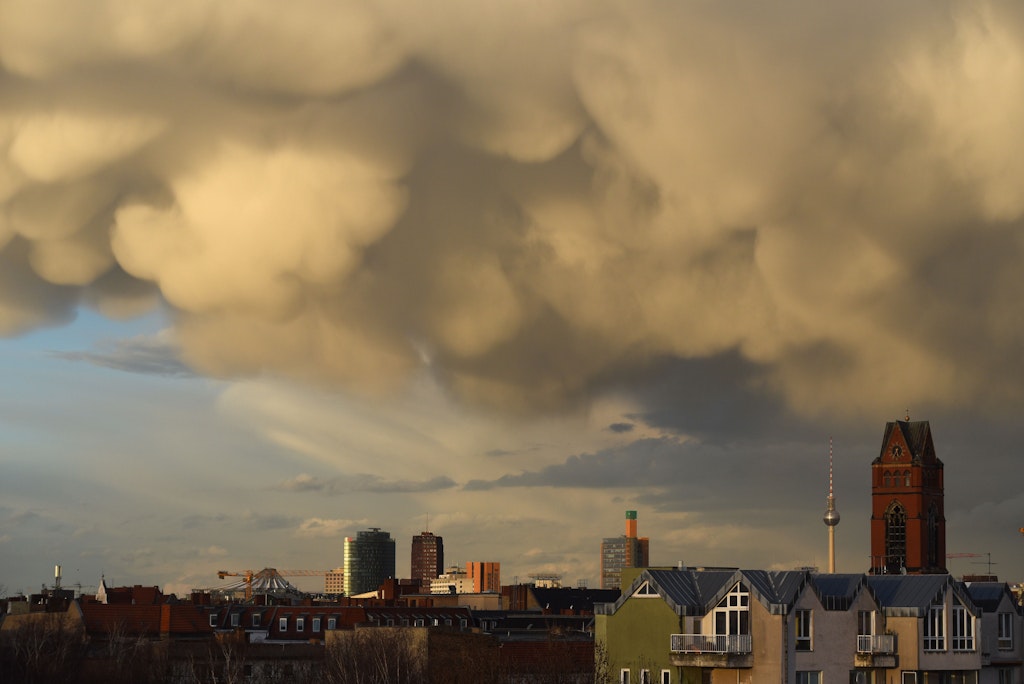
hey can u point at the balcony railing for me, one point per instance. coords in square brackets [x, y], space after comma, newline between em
[710, 643]
[876, 643]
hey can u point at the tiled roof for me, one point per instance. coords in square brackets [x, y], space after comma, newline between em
[184, 619]
[124, 618]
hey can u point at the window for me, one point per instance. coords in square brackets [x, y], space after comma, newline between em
[391, 622]
[645, 677]
[255, 619]
[1005, 630]
[316, 624]
[213, 619]
[906, 478]
[645, 590]
[963, 629]
[1005, 675]
[888, 479]
[332, 623]
[865, 622]
[235, 618]
[419, 622]
[935, 629]
[282, 624]
[803, 630]
[300, 624]
[808, 678]
[447, 622]
[624, 676]
[732, 614]
[666, 677]
[895, 538]
[909, 678]
[463, 622]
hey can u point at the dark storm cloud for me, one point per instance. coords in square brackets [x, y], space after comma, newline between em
[336, 486]
[621, 427]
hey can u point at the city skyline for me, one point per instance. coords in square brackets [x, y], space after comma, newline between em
[516, 267]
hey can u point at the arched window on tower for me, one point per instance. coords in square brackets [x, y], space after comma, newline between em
[888, 479]
[906, 478]
[895, 538]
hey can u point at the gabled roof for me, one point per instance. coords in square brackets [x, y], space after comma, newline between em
[838, 591]
[913, 595]
[697, 592]
[989, 595]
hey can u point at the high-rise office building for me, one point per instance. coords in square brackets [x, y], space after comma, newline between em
[369, 560]
[427, 557]
[627, 551]
[486, 576]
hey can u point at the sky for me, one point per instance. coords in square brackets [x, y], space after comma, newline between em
[501, 271]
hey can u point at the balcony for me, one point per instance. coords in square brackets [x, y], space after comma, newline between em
[875, 650]
[711, 650]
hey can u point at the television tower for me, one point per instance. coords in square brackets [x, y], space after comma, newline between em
[831, 515]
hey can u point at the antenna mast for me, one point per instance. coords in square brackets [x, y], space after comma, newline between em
[831, 515]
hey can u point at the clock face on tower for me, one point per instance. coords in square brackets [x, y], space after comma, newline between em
[896, 452]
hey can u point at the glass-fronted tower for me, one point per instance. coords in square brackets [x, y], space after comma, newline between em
[369, 560]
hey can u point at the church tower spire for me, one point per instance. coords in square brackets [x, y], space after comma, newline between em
[908, 523]
[831, 515]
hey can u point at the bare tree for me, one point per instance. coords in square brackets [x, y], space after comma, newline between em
[380, 654]
[44, 648]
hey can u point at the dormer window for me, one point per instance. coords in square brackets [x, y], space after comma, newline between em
[645, 590]
[732, 614]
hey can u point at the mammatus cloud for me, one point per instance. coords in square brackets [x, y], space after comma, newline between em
[533, 202]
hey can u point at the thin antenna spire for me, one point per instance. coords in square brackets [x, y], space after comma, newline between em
[830, 468]
[831, 514]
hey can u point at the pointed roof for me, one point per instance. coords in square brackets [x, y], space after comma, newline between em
[917, 435]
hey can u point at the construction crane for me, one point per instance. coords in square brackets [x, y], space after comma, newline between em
[988, 562]
[267, 574]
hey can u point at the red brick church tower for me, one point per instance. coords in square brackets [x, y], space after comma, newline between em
[908, 523]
